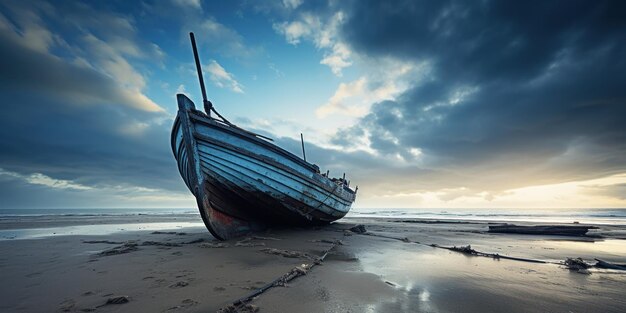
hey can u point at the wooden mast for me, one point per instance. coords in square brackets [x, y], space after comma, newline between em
[302, 141]
[207, 104]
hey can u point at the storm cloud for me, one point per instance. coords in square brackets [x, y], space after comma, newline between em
[71, 132]
[436, 99]
[516, 94]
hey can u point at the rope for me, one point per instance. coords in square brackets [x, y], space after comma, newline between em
[465, 250]
[294, 273]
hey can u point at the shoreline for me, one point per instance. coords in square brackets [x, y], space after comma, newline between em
[186, 270]
[41, 226]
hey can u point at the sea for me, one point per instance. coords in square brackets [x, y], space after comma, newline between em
[4, 213]
[192, 219]
[584, 216]
[31, 223]
[592, 216]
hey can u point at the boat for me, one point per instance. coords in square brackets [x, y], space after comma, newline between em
[242, 181]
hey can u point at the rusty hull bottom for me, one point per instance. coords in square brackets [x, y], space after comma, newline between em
[222, 225]
[229, 211]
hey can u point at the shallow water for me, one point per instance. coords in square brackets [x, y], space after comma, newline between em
[105, 229]
[434, 280]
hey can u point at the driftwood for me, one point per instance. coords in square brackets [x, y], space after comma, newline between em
[576, 264]
[125, 248]
[462, 249]
[115, 300]
[358, 229]
[558, 230]
[468, 250]
[612, 266]
[573, 264]
[431, 222]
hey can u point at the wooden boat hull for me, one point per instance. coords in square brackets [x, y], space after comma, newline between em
[243, 183]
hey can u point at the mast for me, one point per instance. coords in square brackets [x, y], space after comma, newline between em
[302, 141]
[207, 104]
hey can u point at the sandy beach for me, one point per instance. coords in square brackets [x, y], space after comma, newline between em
[181, 268]
[321, 156]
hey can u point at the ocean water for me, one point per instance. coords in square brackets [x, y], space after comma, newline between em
[189, 217]
[590, 216]
[5, 213]
[91, 221]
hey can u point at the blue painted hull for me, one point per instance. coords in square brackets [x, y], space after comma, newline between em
[243, 183]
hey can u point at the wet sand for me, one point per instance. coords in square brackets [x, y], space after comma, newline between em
[185, 270]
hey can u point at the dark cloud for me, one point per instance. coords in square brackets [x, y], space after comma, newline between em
[88, 145]
[17, 193]
[489, 40]
[514, 94]
[26, 70]
[520, 93]
[69, 121]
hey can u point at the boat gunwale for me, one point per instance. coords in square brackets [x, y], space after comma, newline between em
[300, 180]
[350, 194]
[256, 140]
[331, 215]
[319, 202]
[328, 216]
[173, 133]
[199, 116]
[331, 193]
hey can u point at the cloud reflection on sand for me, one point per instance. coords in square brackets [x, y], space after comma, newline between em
[38, 233]
[433, 280]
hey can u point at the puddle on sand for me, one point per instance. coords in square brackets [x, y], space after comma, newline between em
[37, 233]
[427, 279]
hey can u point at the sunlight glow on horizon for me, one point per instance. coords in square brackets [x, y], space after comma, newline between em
[578, 194]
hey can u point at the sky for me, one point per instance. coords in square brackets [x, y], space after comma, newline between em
[424, 104]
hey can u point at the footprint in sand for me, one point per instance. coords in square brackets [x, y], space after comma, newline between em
[67, 305]
[33, 274]
[179, 284]
[184, 304]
